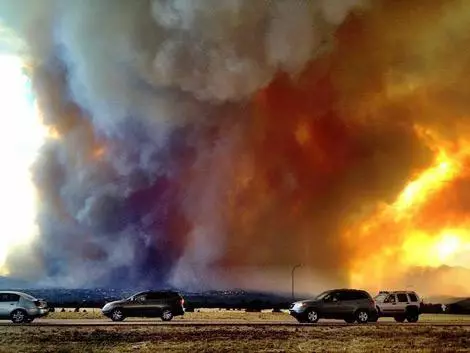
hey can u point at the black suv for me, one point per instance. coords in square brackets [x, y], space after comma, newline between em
[162, 304]
[346, 304]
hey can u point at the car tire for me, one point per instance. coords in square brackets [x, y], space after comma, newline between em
[117, 315]
[373, 318]
[362, 316]
[399, 318]
[167, 315]
[412, 317]
[312, 316]
[19, 316]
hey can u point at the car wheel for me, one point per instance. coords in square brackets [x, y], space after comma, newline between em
[399, 318]
[362, 316]
[312, 316]
[412, 318]
[19, 316]
[117, 315]
[167, 315]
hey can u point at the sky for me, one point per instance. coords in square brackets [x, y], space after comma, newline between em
[23, 135]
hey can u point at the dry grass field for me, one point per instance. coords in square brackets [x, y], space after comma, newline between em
[203, 315]
[120, 339]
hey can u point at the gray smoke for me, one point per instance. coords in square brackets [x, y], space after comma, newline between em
[162, 87]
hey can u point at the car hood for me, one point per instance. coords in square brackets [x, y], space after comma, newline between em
[311, 301]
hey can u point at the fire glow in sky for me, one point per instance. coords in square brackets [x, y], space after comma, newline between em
[210, 143]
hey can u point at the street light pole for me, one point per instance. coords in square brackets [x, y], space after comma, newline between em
[293, 270]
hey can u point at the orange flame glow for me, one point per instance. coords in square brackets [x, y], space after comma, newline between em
[413, 240]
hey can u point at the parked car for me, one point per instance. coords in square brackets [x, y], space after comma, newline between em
[162, 304]
[21, 307]
[401, 305]
[350, 305]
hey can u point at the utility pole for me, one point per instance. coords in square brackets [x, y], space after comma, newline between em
[293, 270]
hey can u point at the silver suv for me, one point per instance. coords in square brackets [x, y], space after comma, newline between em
[21, 307]
[401, 305]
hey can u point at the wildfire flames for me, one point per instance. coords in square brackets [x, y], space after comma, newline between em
[425, 230]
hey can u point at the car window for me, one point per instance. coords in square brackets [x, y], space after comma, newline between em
[390, 299]
[402, 298]
[156, 296]
[140, 298]
[14, 297]
[345, 296]
[29, 297]
[359, 295]
[331, 297]
[381, 297]
[7, 297]
[351, 295]
[413, 297]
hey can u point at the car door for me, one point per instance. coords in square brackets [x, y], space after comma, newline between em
[389, 306]
[154, 304]
[349, 301]
[402, 302]
[136, 307]
[330, 305]
[8, 303]
[4, 305]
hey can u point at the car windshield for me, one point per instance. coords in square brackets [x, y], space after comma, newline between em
[381, 297]
[322, 295]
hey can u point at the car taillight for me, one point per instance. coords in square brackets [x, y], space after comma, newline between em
[40, 304]
[182, 302]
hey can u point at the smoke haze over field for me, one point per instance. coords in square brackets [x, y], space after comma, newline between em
[203, 143]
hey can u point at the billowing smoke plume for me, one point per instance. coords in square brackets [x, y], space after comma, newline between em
[204, 143]
[150, 104]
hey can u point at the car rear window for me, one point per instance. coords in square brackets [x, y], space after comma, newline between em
[402, 297]
[29, 297]
[413, 297]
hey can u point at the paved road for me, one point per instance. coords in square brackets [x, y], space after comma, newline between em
[96, 323]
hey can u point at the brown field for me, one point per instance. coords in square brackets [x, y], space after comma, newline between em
[119, 339]
[217, 315]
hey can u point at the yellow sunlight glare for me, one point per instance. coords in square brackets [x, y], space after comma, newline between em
[22, 136]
